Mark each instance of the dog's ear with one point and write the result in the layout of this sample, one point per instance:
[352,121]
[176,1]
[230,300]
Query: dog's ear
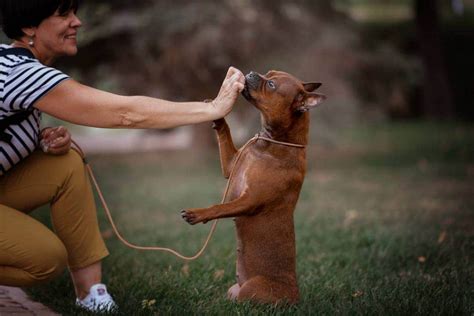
[311,86]
[309,101]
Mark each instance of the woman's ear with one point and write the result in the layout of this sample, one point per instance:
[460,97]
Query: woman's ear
[310,101]
[29,31]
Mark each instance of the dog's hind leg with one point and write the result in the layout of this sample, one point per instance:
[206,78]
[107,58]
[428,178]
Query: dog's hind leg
[233,292]
[260,289]
[227,149]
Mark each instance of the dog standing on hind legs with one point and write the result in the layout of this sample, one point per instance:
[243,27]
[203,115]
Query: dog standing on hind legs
[266,181]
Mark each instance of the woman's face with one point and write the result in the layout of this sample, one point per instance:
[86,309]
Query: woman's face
[57,35]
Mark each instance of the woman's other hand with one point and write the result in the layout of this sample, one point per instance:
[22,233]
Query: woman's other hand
[232,85]
[55,140]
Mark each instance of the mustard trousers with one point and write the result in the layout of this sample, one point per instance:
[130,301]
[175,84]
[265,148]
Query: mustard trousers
[30,253]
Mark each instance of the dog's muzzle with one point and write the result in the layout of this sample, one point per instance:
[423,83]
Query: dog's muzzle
[252,81]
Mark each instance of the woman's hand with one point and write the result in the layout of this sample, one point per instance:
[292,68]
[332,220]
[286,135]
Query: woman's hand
[55,140]
[233,84]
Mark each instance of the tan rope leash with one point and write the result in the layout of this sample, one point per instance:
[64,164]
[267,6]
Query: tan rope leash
[278,142]
[214,224]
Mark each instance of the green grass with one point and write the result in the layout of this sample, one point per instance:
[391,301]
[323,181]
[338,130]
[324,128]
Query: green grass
[384,226]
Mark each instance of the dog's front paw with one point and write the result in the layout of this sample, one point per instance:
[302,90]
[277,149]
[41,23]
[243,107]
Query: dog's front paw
[191,217]
[218,124]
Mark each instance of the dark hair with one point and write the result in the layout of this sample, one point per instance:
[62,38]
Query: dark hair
[17,14]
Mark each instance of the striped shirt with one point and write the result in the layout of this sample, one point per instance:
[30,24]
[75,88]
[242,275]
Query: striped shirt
[23,81]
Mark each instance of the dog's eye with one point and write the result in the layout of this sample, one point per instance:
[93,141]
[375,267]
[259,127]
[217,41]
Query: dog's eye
[271,84]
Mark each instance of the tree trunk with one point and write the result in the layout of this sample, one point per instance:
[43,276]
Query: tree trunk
[437,93]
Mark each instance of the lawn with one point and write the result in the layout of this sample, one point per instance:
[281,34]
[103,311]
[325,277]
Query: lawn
[384,225]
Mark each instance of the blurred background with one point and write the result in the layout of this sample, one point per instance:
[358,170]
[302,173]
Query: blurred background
[385,60]
[385,221]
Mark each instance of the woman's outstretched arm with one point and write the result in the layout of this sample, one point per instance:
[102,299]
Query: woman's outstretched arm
[79,104]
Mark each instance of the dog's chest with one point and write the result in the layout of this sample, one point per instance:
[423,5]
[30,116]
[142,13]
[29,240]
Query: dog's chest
[252,165]
[240,174]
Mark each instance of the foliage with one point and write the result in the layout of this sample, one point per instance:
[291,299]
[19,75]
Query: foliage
[365,52]
[180,50]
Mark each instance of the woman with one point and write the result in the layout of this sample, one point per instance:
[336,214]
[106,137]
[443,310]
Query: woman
[43,30]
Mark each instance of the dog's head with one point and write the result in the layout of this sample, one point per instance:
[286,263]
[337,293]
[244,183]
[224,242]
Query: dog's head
[280,96]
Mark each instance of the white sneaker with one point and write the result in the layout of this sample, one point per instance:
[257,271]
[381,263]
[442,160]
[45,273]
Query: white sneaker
[98,300]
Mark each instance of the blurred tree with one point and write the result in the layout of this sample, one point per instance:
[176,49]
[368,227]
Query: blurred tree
[437,93]
[180,50]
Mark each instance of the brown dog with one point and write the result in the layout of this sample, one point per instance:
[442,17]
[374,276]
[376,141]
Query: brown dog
[265,185]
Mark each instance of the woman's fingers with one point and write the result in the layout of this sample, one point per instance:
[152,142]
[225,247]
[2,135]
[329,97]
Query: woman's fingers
[239,86]
[61,141]
[235,83]
[230,88]
[56,140]
[231,71]
[229,91]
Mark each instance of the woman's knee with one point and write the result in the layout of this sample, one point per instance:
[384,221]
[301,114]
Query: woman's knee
[71,161]
[70,168]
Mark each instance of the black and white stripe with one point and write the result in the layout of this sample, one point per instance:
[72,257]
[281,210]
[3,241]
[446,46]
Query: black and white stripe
[23,81]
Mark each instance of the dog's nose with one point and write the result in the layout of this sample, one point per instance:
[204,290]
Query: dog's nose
[252,76]
[252,80]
